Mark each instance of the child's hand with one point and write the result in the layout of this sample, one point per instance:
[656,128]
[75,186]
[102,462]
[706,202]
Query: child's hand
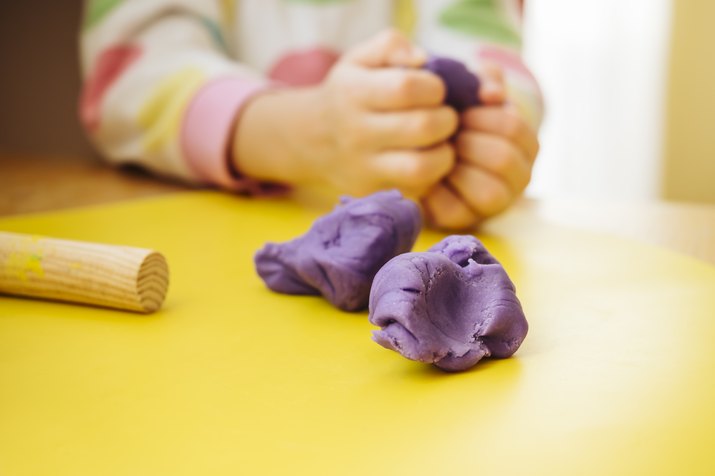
[384,120]
[496,149]
[376,122]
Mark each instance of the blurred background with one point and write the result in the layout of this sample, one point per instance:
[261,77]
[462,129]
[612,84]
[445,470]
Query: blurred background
[629,87]
[629,95]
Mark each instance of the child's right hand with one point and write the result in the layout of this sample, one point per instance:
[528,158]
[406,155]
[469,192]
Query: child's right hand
[377,121]
[385,124]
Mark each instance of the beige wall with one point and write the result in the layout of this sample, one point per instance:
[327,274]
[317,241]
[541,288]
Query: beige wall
[689,152]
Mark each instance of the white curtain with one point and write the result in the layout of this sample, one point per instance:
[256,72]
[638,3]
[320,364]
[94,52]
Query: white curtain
[602,66]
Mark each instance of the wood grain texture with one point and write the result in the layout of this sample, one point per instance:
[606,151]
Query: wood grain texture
[36,183]
[120,277]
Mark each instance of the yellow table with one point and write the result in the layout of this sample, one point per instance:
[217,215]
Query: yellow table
[615,376]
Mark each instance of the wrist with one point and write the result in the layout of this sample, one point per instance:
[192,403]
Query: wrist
[280,136]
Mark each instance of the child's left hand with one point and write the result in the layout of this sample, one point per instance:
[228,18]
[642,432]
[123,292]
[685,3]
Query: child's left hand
[496,149]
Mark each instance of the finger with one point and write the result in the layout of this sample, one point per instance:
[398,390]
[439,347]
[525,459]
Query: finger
[496,155]
[397,88]
[493,85]
[445,210]
[414,128]
[505,123]
[484,193]
[413,171]
[388,48]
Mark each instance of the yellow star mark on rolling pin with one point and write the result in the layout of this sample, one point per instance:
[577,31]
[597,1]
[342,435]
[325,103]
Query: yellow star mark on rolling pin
[21,264]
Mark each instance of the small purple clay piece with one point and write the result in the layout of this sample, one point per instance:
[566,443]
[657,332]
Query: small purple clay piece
[462,85]
[450,306]
[341,253]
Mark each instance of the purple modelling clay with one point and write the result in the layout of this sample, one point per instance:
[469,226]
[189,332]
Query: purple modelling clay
[451,306]
[462,85]
[341,253]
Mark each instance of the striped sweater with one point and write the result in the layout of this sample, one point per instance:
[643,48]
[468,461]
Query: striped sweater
[165,80]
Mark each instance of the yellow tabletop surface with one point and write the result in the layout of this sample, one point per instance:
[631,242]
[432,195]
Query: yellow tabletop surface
[616,375]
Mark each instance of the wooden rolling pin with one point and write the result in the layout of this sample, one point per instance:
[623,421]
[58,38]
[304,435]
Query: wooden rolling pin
[122,277]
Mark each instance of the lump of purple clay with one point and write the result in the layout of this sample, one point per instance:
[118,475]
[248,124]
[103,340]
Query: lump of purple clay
[462,85]
[340,254]
[451,306]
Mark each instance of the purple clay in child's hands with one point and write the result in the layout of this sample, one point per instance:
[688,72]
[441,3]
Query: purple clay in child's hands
[451,306]
[462,85]
[341,253]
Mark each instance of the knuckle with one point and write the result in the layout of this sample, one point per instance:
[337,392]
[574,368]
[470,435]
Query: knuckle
[495,199]
[525,179]
[434,124]
[391,37]
[415,169]
[436,89]
[451,216]
[456,219]
[446,156]
[450,118]
[419,173]
[520,182]
[433,90]
[423,123]
[512,126]
[404,87]
[503,160]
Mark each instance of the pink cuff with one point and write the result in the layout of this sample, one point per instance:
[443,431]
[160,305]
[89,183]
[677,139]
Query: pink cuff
[506,58]
[207,129]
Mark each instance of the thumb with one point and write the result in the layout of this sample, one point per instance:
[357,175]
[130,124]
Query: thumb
[388,48]
[493,87]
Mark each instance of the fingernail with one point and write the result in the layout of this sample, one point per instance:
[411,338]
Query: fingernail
[419,55]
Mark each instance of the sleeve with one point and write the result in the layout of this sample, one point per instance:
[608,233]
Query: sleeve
[159,88]
[476,32]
